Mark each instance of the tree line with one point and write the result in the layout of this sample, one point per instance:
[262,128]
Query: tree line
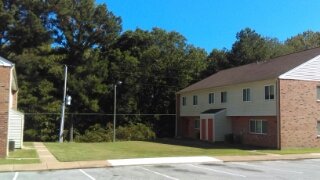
[40,37]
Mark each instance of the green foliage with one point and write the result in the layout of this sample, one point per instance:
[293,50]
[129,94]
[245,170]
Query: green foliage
[130,132]
[40,37]
[135,132]
[96,133]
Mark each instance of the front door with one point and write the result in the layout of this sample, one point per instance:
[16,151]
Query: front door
[206,129]
[203,129]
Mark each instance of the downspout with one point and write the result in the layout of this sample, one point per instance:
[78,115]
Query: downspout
[278,114]
[9,104]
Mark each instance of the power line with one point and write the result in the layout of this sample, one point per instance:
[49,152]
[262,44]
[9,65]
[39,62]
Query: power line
[100,114]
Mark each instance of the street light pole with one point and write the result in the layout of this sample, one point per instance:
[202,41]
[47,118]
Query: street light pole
[63,104]
[115,109]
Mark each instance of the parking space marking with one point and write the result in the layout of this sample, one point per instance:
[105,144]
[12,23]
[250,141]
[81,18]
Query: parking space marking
[16,176]
[88,175]
[160,174]
[218,171]
[264,167]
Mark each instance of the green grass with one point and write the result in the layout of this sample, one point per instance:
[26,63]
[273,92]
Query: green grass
[292,151]
[137,149]
[28,144]
[21,156]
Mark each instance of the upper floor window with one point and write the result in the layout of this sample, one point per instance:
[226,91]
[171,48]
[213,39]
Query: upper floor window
[211,98]
[246,96]
[184,101]
[223,97]
[269,92]
[258,126]
[195,100]
[318,93]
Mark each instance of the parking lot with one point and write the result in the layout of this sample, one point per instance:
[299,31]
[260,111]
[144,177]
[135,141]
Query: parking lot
[300,169]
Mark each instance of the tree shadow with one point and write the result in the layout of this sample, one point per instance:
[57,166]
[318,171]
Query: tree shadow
[204,144]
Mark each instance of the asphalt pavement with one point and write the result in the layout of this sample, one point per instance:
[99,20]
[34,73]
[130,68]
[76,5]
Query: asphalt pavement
[293,169]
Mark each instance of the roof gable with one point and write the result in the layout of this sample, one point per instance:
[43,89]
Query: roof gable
[5,62]
[308,71]
[255,71]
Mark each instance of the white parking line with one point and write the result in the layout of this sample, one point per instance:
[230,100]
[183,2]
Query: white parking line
[218,171]
[160,174]
[16,176]
[266,167]
[88,175]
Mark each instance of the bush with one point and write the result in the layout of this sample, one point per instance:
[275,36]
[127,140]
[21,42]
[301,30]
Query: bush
[30,135]
[228,138]
[131,132]
[95,133]
[134,132]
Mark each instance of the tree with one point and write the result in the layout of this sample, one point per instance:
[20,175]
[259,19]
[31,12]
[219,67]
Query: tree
[22,25]
[303,41]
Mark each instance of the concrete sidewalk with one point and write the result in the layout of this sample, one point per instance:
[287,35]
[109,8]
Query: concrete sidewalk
[49,162]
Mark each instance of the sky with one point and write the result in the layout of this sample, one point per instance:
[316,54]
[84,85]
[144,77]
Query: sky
[213,24]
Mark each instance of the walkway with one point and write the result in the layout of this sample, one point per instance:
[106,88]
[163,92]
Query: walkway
[49,162]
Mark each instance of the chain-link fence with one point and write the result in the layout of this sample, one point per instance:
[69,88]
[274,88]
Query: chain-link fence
[46,126]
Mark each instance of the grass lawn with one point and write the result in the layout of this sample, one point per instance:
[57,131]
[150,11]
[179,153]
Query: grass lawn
[292,151]
[138,149]
[22,156]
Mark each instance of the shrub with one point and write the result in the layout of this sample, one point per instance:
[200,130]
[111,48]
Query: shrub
[134,132]
[30,135]
[228,138]
[96,133]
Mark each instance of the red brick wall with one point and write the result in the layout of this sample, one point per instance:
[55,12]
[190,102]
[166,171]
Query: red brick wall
[241,127]
[187,127]
[299,112]
[4,105]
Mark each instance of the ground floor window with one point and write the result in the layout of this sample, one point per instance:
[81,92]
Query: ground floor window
[258,126]
[318,128]
[197,124]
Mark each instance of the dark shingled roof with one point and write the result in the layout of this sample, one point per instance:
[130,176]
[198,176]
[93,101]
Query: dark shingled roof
[211,111]
[255,71]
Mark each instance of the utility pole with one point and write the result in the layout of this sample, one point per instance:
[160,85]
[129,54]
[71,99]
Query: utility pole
[63,107]
[115,109]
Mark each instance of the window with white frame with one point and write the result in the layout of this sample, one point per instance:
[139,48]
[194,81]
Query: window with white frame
[246,96]
[269,92]
[195,100]
[318,93]
[197,124]
[318,128]
[223,97]
[184,101]
[211,98]
[258,126]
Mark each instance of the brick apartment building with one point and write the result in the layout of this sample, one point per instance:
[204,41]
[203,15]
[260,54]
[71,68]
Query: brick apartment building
[11,121]
[274,103]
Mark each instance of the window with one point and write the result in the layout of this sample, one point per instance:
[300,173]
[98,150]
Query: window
[195,100]
[269,92]
[197,124]
[223,97]
[184,101]
[318,93]
[211,98]
[318,128]
[246,94]
[258,126]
